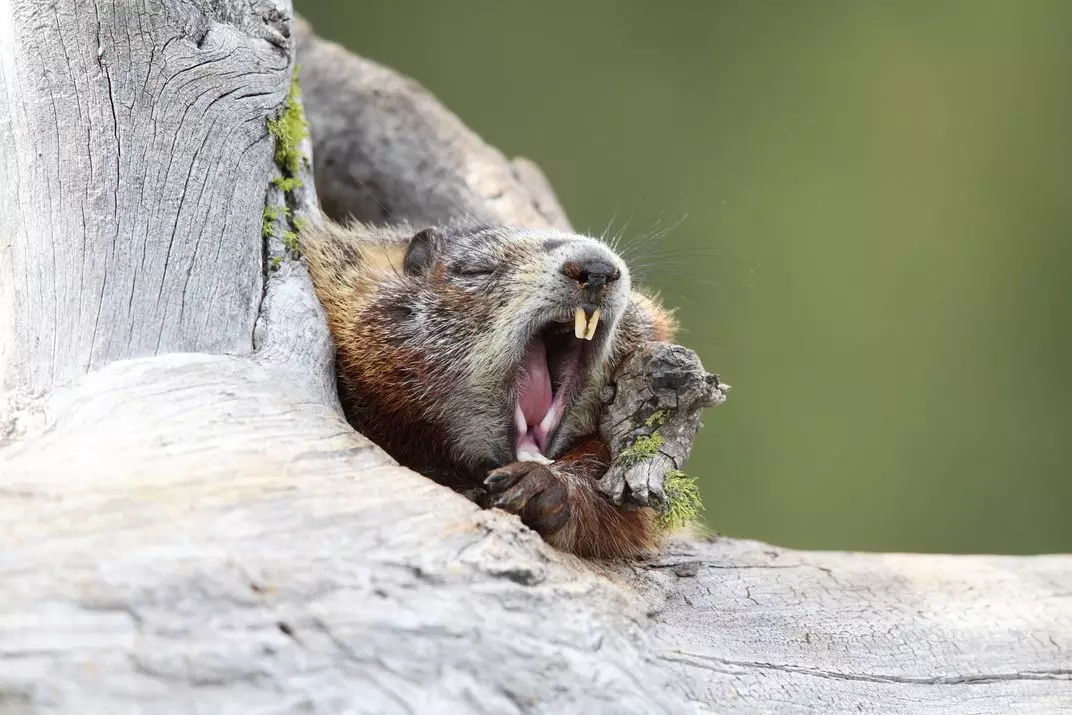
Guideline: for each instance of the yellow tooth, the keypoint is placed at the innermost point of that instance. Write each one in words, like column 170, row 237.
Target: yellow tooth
column 579, row 323
column 592, row 323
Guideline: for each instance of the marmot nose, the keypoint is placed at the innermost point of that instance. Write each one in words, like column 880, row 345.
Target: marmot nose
column 591, row 274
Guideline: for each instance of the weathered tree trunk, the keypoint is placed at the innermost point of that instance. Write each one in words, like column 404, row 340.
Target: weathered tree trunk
column 190, row 525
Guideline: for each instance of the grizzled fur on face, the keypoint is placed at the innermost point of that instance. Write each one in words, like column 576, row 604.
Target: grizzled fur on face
column 431, row 327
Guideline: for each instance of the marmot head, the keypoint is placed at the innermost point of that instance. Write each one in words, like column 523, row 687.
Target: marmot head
column 498, row 339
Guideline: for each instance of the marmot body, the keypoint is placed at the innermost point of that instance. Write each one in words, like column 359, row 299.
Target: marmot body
column 475, row 355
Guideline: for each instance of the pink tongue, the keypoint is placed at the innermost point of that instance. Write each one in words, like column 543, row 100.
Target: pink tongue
column 534, row 388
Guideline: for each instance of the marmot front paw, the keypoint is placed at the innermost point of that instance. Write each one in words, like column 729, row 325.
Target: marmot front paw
column 534, row 492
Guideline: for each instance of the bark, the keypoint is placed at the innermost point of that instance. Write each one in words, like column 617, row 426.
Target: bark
column 189, row 523
column 658, row 393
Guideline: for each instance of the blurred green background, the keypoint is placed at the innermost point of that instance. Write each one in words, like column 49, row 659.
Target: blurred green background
column 870, row 216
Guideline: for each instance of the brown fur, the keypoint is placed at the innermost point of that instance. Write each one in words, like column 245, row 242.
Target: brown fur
column 346, row 271
column 408, row 351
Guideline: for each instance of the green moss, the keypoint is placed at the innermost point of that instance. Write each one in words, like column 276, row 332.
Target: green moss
column 299, row 224
column 289, row 129
column 275, row 262
column 270, row 216
column 646, row 447
column 286, row 183
column 643, row 448
column 683, row 505
column 290, row 240
column 657, row 419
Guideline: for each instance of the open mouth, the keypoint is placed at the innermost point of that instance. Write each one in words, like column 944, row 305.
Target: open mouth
column 549, row 377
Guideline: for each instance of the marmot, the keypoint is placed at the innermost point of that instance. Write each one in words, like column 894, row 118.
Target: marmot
column 475, row 355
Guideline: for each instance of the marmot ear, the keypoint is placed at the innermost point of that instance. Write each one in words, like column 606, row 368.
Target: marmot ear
column 421, row 253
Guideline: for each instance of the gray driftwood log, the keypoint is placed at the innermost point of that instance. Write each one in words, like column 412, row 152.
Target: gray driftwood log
column 190, row 526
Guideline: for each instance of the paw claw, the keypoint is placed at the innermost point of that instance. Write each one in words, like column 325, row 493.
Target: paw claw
column 497, row 481
column 513, row 500
column 501, row 479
